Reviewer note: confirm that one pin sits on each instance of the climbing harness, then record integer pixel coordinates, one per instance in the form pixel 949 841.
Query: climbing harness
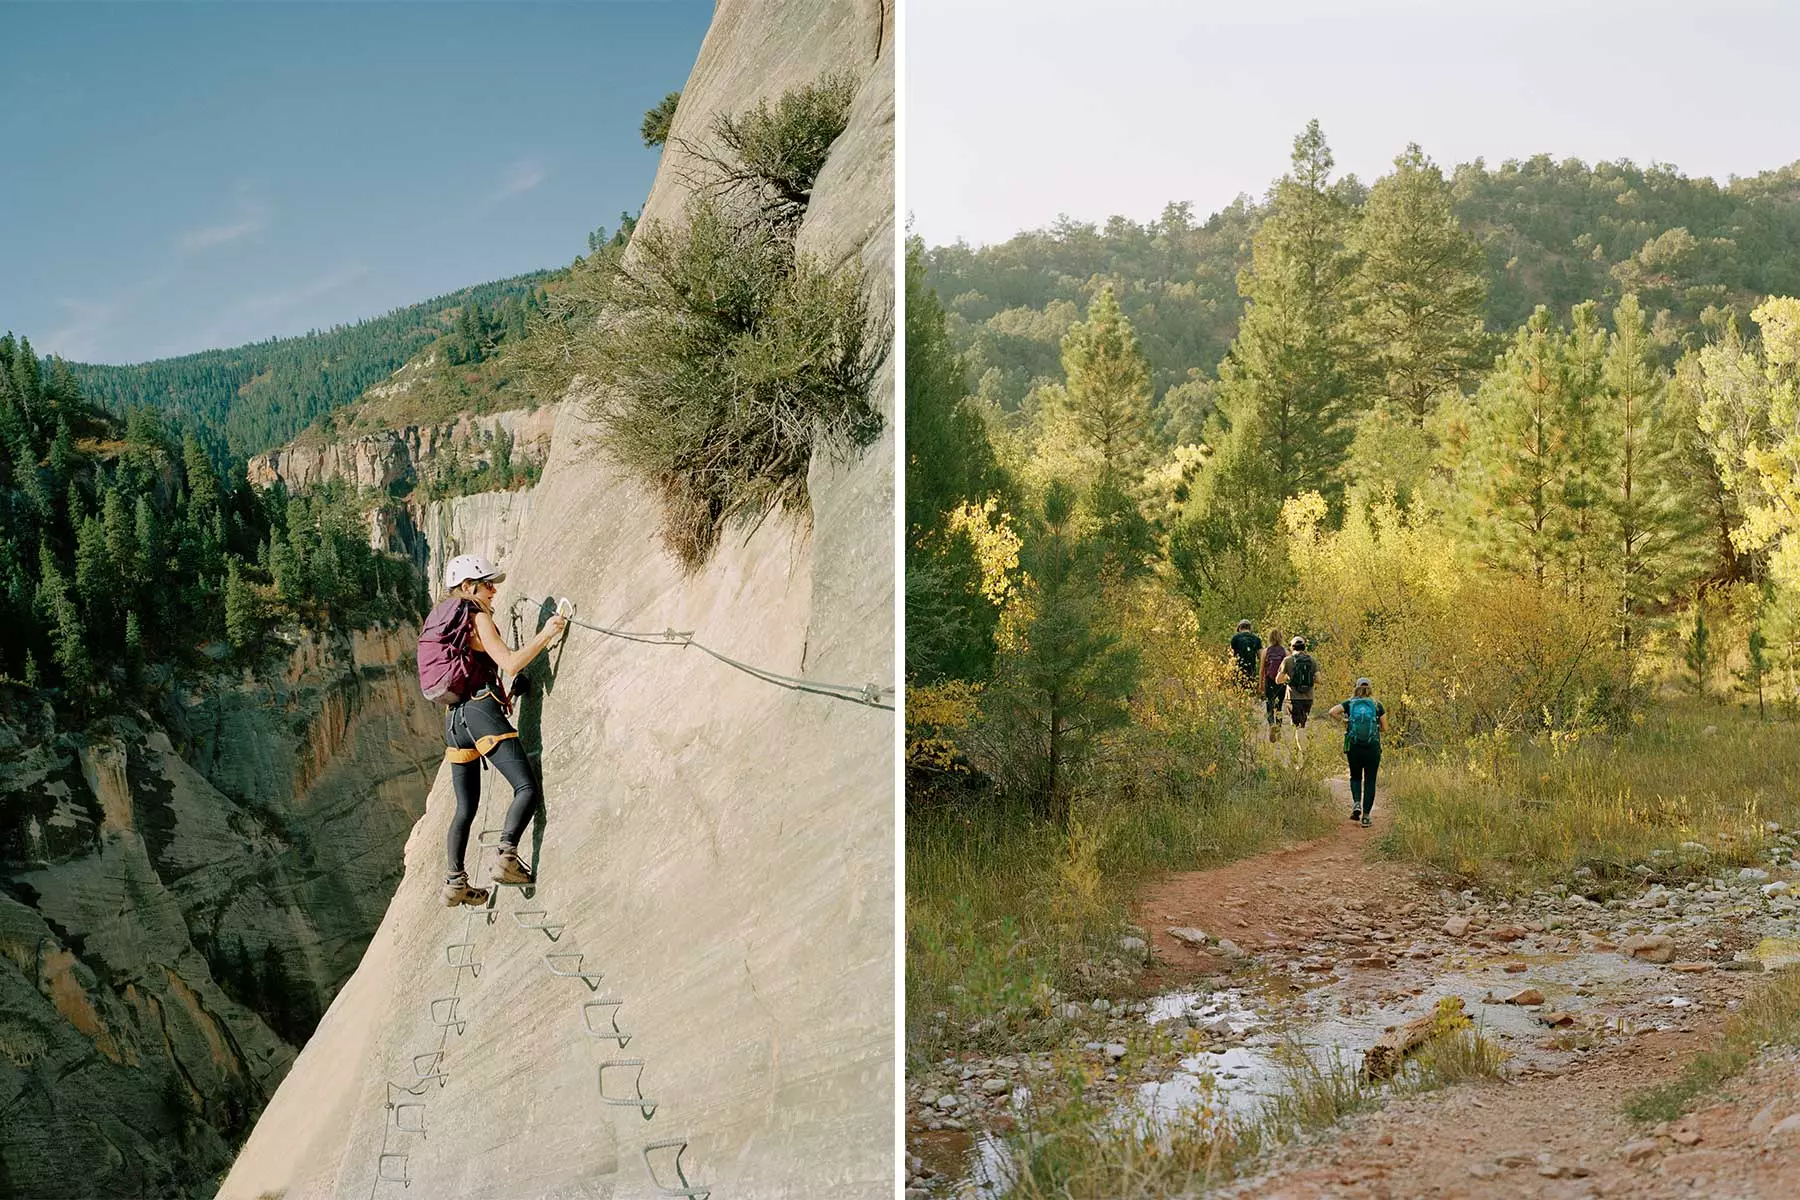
pixel 871 695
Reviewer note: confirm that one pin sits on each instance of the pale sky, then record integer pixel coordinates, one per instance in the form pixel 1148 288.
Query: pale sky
pixel 1016 112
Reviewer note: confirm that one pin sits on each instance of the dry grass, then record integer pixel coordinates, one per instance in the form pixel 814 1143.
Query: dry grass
pixel 1517 816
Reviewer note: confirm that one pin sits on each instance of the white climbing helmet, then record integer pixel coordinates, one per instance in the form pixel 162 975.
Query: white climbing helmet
pixel 470 566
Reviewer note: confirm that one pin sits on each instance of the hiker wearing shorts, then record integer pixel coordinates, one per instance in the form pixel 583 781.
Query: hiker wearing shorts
pixel 1365 719
pixel 461 655
pixel 1245 646
pixel 1298 671
pixel 1273 693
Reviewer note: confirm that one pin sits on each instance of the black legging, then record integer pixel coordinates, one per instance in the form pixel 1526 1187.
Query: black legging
pixel 1364 762
pixel 1273 694
pixel 477 722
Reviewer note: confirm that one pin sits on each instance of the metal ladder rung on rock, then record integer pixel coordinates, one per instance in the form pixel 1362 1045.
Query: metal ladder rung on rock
pixel 465 961
pixel 401 1125
pixel 591 978
pixel 638 1101
pixel 449 1020
pixel 615 1033
pixel 697 1191
pixel 550 929
pixel 432 1068
pixel 381 1168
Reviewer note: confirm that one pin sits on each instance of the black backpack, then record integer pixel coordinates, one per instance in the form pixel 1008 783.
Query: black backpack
pixel 1301 669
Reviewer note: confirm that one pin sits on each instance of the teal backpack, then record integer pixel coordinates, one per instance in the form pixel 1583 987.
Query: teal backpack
pixel 1364 722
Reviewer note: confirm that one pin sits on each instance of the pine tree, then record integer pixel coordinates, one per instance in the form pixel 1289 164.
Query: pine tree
pixel 1649 526
pixel 243 614
pixel 1290 382
pixel 1068 677
pixel 1420 288
pixel 1106 397
pixel 1521 452
pixel 68 639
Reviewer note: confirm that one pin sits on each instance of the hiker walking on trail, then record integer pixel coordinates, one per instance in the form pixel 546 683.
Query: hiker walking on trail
pixel 1298 672
pixel 1245 646
pixel 1273 693
pixel 461 655
pixel 1364 721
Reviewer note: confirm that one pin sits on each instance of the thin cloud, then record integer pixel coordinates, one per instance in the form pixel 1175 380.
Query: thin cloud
pixel 218 235
pixel 251 216
pixel 521 177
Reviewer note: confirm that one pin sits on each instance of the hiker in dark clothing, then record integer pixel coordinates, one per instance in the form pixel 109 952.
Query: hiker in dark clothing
pixel 1273 693
pixel 1245 646
pixel 1365 720
pixel 1298 671
pixel 460 634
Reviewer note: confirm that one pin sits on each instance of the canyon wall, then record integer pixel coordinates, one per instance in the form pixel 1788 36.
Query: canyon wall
pixel 181 894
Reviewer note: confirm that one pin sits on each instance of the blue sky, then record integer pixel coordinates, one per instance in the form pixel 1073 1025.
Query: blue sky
pixel 182 176
pixel 1093 109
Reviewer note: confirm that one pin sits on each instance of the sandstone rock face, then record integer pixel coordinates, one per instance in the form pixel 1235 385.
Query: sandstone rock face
pixel 721 849
pixel 168 933
pixel 381 459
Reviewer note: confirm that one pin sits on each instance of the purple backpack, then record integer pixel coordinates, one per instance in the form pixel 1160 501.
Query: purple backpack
pixel 447 666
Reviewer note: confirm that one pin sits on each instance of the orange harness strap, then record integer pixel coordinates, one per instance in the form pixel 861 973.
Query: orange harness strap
pixel 484 746
pixel 453 755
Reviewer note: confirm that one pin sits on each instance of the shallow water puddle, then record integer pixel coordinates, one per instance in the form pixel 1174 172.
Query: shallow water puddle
pixel 1258 1043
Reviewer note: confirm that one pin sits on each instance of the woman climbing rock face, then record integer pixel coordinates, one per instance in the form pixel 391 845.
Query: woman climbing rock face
pixel 461 655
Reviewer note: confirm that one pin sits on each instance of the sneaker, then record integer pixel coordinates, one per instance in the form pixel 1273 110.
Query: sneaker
pixel 508 868
pixel 1365 821
pixel 457 891
pixel 1356 814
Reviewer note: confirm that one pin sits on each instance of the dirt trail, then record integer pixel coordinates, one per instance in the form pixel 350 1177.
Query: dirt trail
pixel 1279 900
pixel 1556 1128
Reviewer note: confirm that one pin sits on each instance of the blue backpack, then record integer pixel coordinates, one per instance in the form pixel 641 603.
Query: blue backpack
pixel 1364 722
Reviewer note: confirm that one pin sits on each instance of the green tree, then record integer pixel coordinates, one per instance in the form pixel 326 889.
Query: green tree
pixel 68 637
pixel 1290 382
pixel 1067 678
pixel 1419 288
pixel 655 128
pixel 1105 399
pixel 1651 527
pixel 243 613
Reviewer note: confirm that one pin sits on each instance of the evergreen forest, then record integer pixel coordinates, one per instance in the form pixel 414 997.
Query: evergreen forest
pixel 251 398
pixel 125 554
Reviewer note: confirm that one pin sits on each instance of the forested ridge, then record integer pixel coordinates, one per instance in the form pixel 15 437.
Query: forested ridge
pixel 250 398
pixel 1551 233
pixel 125 554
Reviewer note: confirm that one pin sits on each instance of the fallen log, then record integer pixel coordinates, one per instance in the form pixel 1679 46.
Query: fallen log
pixel 1385 1056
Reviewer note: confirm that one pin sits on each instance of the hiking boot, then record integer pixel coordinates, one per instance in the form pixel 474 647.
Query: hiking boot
pixel 1365 821
pixel 457 891
pixel 508 868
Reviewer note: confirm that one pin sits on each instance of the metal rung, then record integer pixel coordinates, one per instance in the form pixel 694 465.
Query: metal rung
pixel 464 962
pixel 381 1169
pixel 482 838
pixel 591 978
pixel 400 1125
pixel 645 1106
pixel 449 1020
pixel 615 1033
pixel 698 1191
pixel 433 1068
pixel 414 1089
pixel 550 929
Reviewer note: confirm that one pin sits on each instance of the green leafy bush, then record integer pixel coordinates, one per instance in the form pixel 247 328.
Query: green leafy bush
pixel 725 360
